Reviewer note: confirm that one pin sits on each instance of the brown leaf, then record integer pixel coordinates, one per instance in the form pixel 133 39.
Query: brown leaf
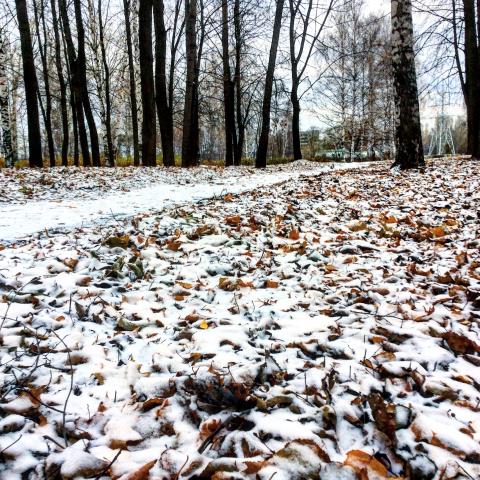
pixel 121 242
pixel 233 221
pixel 143 473
pixel 271 284
pixel 460 344
pixel 294 234
pixel 154 402
pixel 367 467
pixel 384 415
pixel 209 427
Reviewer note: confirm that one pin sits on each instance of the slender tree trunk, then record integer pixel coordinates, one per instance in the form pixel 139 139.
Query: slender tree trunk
pixel 164 108
pixel 110 161
pixel 472 78
pixel 42 40
pixel 31 86
pixel 261 159
pixel 76 88
pixel 228 92
pixel 147 83
pixel 82 76
pixel 5 107
pixel 408 137
pixel 133 87
pixel 61 83
pixel 297 150
pixel 190 115
pixel 238 84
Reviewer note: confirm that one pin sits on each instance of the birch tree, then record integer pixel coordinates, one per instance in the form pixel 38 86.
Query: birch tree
pixel 5 106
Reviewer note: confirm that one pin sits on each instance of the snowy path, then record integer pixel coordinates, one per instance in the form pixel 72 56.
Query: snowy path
pixel 20 220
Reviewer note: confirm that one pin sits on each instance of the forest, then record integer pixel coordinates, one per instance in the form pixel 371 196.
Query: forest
pixel 240 239
pixel 106 83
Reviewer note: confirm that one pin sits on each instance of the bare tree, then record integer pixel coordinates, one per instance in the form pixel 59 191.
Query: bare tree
pixel 261 158
pixel 190 141
pixel 163 99
pixel 147 83
pixel 304 32
pixel 31 86
pixel 132 82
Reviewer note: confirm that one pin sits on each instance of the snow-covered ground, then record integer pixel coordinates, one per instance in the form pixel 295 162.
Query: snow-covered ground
pixel 36 201
pixel 321 328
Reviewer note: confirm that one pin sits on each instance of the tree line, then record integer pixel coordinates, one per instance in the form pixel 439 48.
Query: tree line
pixel 159 80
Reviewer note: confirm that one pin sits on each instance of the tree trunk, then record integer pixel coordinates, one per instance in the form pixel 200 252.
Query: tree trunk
pixel 82 77
pixel 147 83
pixel 133 87
pixel 61 83
pixel 110 160
pixel 164 108
pixel 261 159
pixel 31 86
pixel 472 78
pixel 237 158
pixel 76 89
pixel 5 107
pixel 190 115
pixel 408 136
pixel 297 150
pixel 228 92
pixel 43 46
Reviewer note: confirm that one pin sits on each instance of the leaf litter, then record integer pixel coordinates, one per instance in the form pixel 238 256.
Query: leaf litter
pixel 324 328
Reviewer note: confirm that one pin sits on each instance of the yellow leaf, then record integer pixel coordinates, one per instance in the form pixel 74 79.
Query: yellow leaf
pixel 203 325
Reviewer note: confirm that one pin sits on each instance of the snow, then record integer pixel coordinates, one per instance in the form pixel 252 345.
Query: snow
pixel 19 220
pixel 294 331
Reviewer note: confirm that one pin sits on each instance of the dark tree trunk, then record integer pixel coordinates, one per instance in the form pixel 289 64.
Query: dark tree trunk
pixel 43 49
pixel 408 136
pixel 110 160
pixel 297 149
pixel 61 83
pixel 133 89
pixel 82 77
pixel 164 108
pixel 261 159
pixel 147 83
pixel 31 86
pixel 190 115
pixel 228 92
pixel 472 78
pixel 238 84
pixel 76 159
pixel 76 89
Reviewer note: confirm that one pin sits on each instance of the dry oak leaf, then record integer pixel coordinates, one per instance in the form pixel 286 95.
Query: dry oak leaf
pixel 294 234
pixel 368 467
pixel 173 245
pixel 384 414
pixel 209 427
pixel 121 242
pixel 460 344
pixel 143 473
pixel 233 220
pixel 271 284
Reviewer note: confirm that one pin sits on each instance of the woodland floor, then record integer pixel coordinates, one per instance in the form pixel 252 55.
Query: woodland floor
pixel 35 200
pixel 322 327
